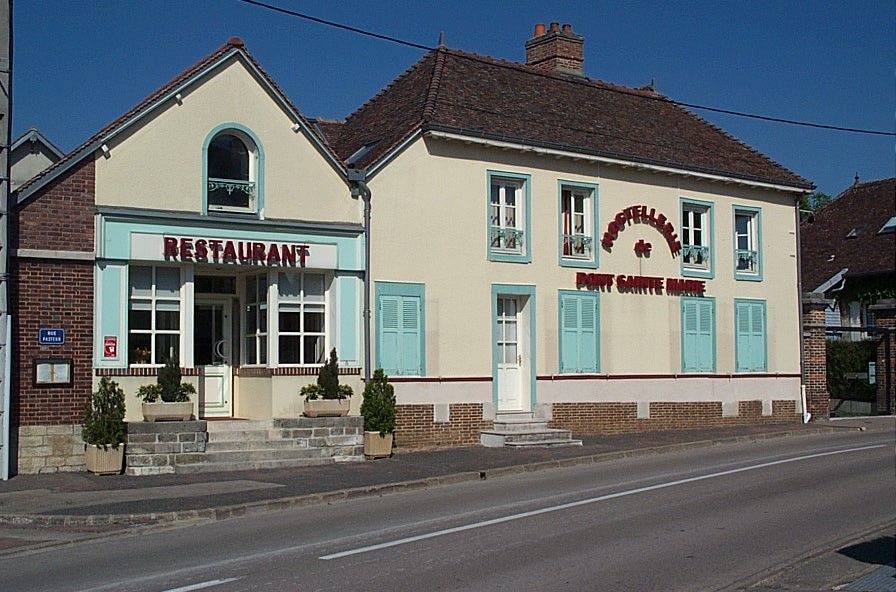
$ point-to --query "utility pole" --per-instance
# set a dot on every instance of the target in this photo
(5, 142)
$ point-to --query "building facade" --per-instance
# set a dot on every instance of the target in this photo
(594, 255)
(542, 244)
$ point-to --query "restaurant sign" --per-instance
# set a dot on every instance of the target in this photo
(201, 249)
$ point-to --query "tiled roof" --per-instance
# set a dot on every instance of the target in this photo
(233, 45)
(861, 210)
(451, 90)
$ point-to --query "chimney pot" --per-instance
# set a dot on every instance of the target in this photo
(556, 50)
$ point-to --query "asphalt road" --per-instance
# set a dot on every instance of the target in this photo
(722, 518)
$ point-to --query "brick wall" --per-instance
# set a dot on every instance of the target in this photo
(53, 292)
(416, 427)
(815, 365)
(885, 315)
(61, 216)
(589, 419)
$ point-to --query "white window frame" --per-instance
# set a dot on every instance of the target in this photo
(697, 258)
(301, 304)
(747, 244)
(153, 299)
(254, 305)
(508, 242)
(577, 225)
(251, 186)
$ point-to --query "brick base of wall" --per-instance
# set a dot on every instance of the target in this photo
(50, 449)
(591, 419)
(417, 425)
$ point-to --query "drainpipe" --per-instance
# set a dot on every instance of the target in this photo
(358, 180)
(799, 298)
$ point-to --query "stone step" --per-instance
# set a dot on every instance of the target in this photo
(244, 435)
(249, 444)
(519, 437)
(238, 425)
(261, 454)
(218, 467)
(543, 444)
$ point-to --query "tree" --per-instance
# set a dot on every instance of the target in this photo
(812, 202)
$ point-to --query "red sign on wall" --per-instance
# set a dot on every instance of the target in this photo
(110, 346)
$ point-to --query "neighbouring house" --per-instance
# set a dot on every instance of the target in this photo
(546, 250)
(29, 155)
(849, 252)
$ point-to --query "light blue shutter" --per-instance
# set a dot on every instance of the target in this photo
(410, 336)
(698, 327)
(588, 334)
(569, 334)
(751, 338)
(390, 335)
(578, 333)
(705, 330)
(689, 359)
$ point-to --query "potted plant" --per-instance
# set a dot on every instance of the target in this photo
(168, 398)
(326, 397)
(104, 430)
(378, 409)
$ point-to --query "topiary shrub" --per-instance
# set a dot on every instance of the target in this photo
(328, 380)
(104, 416)
(378, 407)
(168, 386)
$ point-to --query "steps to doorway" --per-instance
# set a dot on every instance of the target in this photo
(518, 430)
(231, 445)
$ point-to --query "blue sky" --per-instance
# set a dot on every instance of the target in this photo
(79, 64)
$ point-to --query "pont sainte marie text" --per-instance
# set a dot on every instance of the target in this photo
(640, 283)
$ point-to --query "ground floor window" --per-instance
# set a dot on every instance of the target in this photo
(750, 324)
(698, 335)
(256, 325)
(153, 314)
(400, 328)
(302, 314)
(579, 332)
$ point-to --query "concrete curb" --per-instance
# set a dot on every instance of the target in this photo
(277, 505)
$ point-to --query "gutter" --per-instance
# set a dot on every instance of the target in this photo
(508, 143)
(358, 180)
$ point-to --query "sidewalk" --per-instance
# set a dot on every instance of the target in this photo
(41, 510)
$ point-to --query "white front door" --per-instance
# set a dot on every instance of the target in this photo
(510, 358)
(212, 353)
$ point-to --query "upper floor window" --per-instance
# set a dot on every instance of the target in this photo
(508, 218)
(747, 237)
(696, 238)
(232, 173)
(577, 224)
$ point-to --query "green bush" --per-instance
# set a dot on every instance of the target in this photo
(849, 357)
(104, 416)
(378, 407)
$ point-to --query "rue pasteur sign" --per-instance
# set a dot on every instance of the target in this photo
(224, 251)
(641, 284)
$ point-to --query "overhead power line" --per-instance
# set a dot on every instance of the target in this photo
(619, 90)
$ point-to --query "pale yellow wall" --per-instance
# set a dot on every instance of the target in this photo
(158, 163)
(432, 200)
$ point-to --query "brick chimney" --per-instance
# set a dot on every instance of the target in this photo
(558, 50)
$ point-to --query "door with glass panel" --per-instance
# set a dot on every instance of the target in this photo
(212, 354)
(509, 352)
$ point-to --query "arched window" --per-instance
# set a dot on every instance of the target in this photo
(232, 173)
